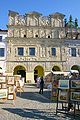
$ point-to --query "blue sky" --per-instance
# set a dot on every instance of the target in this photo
(46, 7)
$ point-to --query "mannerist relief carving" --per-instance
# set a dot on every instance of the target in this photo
(16, 33)
(55, 34)
(21, 20)
(35, 21)
(10, 32)
(32, 21)
(52, 31)
(29, 33)
(48, 33)
(52, 22)
(41, 21)
(56, 22)
(42, 33)
(29, 21)
(16, 19)
(11, 20)
(35, 33)
(22, 32)
(62, 34)
(44, 21)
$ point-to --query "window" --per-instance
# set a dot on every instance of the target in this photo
(2, 50)
(20, 51)
(79, 52)
(0, 38)
(31, 51)
(53, 50)
(73, 52)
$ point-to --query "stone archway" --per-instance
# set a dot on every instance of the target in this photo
(20, 70)
(56, 68)
(75, 67)
(38, 71)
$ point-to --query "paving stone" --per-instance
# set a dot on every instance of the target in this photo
(31, 106)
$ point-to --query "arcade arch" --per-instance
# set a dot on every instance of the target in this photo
(20, 70)
(75, 67)
(38, 71)
(56, 68)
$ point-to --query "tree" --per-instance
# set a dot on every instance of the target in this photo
(70, 19)
(76, 23)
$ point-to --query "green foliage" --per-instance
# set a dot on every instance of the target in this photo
(70, 18)
(76, 22)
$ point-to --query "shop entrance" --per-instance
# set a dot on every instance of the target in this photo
(75, 67)
(38, 72)
(56, 68)
(20, 70)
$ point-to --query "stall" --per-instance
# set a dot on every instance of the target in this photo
(9, 86)
(69, 97)
(55, 81)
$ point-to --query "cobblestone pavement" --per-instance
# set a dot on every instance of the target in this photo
(31, 105)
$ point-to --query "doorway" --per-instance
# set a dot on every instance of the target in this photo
(20, 70)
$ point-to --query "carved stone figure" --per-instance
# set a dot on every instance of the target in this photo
(11, 20)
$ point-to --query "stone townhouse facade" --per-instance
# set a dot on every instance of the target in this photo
(3, 35)
(35, 44)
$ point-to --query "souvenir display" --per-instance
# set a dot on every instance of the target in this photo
(64, 84)
(10, 80)
(75, 84)
(3, 93)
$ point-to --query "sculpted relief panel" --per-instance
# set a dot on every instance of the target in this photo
(21, 20)
(61, 34)
(48, 33)
(11, 20)
(22, 32)
(42, 33)
(16, 19)
(44, 21)
(16, 33)
(10, 32)
(35, 33)
(56, 22)
(29, 33)
(32, 21)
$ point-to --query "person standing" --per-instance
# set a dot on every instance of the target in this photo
(38, 81)
(41, 85)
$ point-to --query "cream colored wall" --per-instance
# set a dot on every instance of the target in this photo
(31, 26)
(30, 77)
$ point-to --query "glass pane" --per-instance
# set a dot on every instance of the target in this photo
(31, 51)
(54, 51)
(20, 51)
(73, 52)
(1, 52)
(0, 38)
